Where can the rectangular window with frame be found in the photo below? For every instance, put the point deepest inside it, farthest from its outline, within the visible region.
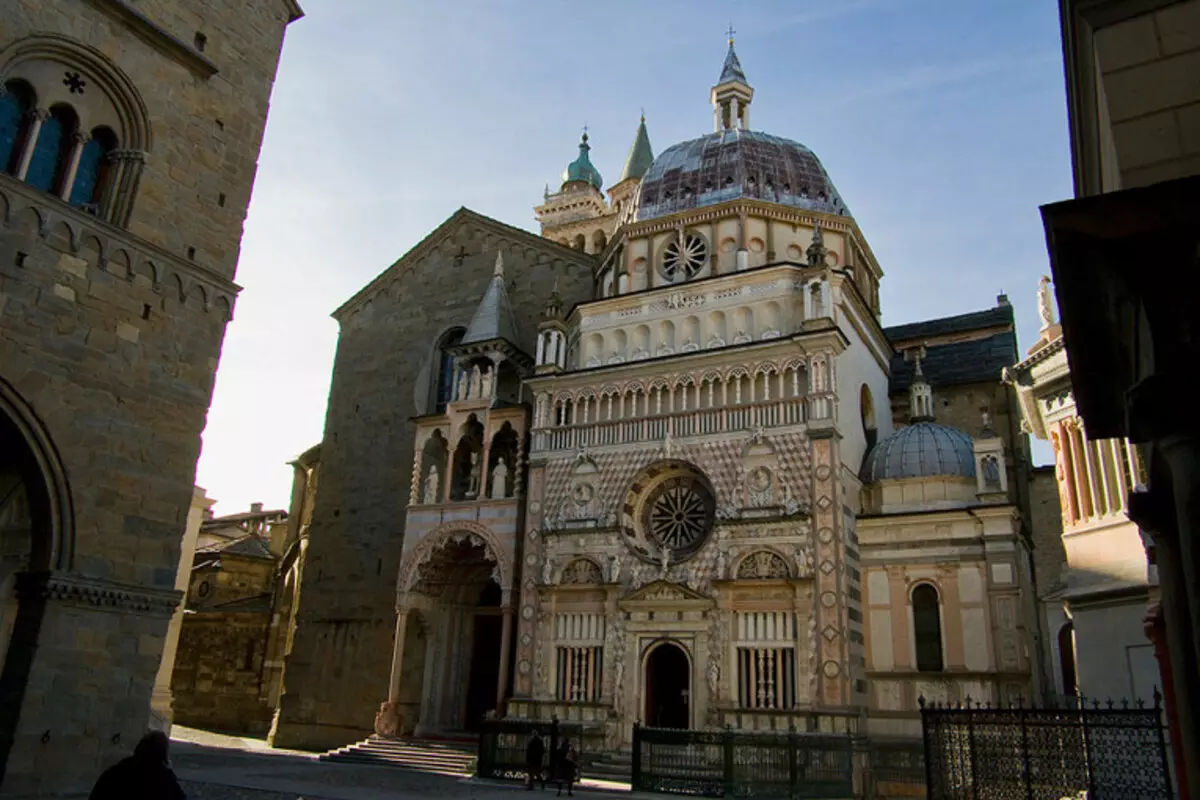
(767, 678)
(579, 674)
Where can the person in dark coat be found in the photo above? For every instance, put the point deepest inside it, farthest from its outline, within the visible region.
(566, 762)
(145, 775)
(535, 754)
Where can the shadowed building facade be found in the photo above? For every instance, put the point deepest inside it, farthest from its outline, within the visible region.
(129, 139)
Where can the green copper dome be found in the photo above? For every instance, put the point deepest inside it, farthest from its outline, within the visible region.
(581, 169)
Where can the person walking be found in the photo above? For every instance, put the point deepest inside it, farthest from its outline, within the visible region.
(145, 775)
(567, 762)
(535, 753)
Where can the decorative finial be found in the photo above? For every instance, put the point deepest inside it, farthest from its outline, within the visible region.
(730, 34)
(498, 272)
(643, 116)
(816, 251)
(585, 136)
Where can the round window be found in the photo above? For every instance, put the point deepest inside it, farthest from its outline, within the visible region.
(684, 258)
(678, 514)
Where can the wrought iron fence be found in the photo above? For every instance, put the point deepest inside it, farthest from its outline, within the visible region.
(502, 745)
(1101, 752)
(729, 763)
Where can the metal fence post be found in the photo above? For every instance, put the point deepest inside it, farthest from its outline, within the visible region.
(926, 713)
(793, 766)
(727, 757)
(1087, 748)
(971, 748)
(635, 772)
(1027, 772)
(552, 761)
(1162, 745)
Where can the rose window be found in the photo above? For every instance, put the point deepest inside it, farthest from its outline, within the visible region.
(683, 258)
(678, 514)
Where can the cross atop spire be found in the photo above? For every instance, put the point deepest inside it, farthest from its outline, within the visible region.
(730, 33)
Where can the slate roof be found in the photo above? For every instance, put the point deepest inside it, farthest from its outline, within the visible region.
(962, 323)
(731, 70)
(640, 155)
(494, 316)
(253, 546)
(975, 361)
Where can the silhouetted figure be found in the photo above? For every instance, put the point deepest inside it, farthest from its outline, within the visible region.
(145, 775)
(535, 753)
(566, 762)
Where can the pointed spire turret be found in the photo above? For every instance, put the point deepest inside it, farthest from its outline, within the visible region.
(640, 155)
(920, 393)
(732, 95)
(494, 317)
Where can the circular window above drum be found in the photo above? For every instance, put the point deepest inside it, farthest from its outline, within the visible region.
(669, 512)
(683, 258)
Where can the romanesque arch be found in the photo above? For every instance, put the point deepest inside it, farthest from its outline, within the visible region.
(447, 533)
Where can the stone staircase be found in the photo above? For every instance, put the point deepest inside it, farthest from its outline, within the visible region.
(613, 765)
(453, 758)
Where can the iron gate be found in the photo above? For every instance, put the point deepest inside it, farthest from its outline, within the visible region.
(1109, 752)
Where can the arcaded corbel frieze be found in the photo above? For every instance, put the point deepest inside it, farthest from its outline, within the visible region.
(98, 593)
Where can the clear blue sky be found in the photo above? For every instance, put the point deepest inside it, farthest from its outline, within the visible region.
(941, 122)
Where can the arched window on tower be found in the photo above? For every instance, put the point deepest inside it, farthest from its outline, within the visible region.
(927, 628)
(92, 173)
(16, 105)
(444, 379)
(52, 153)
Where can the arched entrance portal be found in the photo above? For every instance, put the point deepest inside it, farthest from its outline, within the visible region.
(35, 534)
(452, 676)
(668, 687)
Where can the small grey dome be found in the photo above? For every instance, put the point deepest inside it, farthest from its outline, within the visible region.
(921, 450)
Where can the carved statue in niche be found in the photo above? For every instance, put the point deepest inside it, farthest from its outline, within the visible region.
(714, 679)
(499, 481)
(431, 486)
(790, 504)
(473, 488)
(664, 560)
(804, 562)
(741, 337)
(715, 341)
(486, 381)
(547, 572)
(614, 570)
(689, 346)
(640, 354)
(462, 383)
(722, 566)
(474, 390)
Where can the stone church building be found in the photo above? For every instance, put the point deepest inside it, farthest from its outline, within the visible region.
(129, 140)
(662, 464)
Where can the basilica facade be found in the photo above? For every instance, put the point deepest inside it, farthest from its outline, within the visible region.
(666, 467)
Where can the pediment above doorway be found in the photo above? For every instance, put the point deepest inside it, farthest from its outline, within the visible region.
(665, 594)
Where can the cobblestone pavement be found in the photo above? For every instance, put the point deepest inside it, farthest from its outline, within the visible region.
(233, 769)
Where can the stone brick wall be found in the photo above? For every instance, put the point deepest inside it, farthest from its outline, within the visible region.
(1049, 556)
(111, 338)
(217, 680)
(337, 672)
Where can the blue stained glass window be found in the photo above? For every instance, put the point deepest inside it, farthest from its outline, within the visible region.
(445, 385)
(87, 173)
(44, 165)
(11, 117)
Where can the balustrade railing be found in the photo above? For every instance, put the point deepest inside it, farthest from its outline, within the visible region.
(683, 424)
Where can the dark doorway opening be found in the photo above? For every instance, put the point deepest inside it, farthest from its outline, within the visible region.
(668, 687)
(485, 657)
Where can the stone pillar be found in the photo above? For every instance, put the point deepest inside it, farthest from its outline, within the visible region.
(78, 140)
(161, 711)
(733, 113)
(389, 721)
(505, 654)
(37, 116)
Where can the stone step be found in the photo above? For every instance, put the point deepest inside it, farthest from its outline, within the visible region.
(439, 757)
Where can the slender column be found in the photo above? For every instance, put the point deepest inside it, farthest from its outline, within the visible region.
(397, 655)
(1123, 483)
(770, 234)
(808, 306)
(78, 140)
(1075, 436)
(38, 116)
(1070, 503)
(505, 656)
(733, 113)
(541, 348)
